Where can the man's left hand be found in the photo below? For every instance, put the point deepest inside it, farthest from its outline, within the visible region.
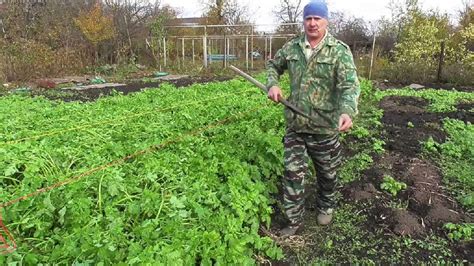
(345, 123)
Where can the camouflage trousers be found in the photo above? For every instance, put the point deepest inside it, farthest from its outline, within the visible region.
(325, 152)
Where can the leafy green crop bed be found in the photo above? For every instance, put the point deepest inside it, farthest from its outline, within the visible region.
(188, 176)
(196, 191)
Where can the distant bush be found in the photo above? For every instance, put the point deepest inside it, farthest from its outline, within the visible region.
(363, 66)
(458, 73)
(3, 77)
(71, 60)
(415, 71)
(416, 56)
(28, 59)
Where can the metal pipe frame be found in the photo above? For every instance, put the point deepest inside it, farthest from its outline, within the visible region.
(205, 38)
(219, 37)
(238, 25)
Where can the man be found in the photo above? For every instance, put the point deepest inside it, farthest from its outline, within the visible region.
(324, 85)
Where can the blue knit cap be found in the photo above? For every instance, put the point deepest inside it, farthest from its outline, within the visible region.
(316, 8)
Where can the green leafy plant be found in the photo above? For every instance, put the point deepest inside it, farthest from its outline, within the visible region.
(467, 200)
(367, 129)
(360, 132)
(458, 232)
(398, 204)
(455, 158)
(430, 145)
(378, 146)
(351, 170)
(391, 185)
(410, 124)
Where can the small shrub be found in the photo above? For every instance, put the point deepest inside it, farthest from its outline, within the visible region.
(23, 60)
(378, 67)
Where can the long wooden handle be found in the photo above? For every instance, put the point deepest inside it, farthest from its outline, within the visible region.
(282, 101)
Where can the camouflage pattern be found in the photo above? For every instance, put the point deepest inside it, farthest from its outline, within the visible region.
(325, 152)
(326, 82)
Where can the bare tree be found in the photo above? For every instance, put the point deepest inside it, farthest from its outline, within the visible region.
(131, 18)
(466, 14)
(401, 11)
(226, 12)
(289, 11)
(337, 22)
(387, 33)
(235, 14)
(351, 30)
(158, 31)
(41, 38)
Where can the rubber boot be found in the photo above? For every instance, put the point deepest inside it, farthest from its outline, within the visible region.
(324, 219)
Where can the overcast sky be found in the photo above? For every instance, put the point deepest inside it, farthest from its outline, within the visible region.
(261, 10)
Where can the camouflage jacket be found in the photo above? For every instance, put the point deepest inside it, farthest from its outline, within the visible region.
(325, 85)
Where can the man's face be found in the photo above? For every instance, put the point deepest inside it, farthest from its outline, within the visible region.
(315, 26)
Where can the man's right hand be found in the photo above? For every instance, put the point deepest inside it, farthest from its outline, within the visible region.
(275, 94)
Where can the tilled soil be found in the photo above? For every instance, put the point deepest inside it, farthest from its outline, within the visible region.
(399, 112)
(425, 206)
(436, 86)
(93, 94)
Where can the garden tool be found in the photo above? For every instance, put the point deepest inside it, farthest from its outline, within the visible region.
(282, 101)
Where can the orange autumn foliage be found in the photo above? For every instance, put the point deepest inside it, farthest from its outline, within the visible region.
(95, 26)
